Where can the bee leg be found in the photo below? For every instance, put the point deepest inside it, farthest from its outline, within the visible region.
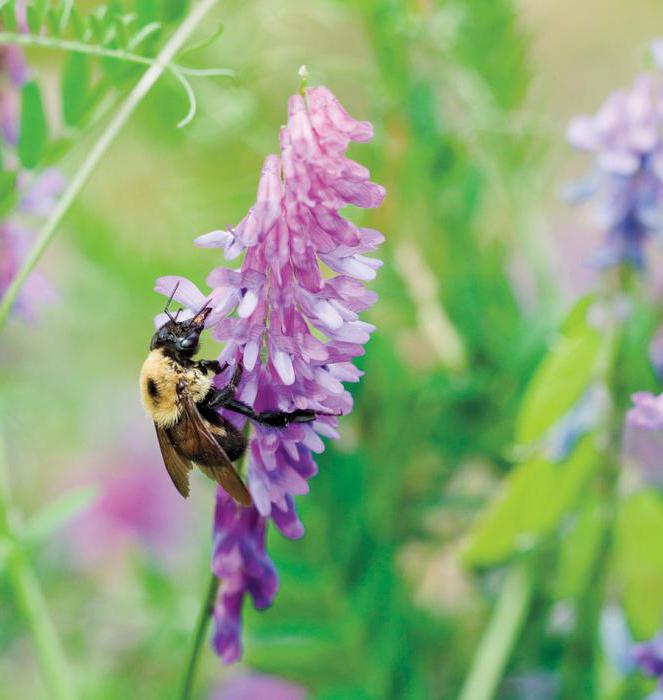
(275, 419)
(219, 397)
(213, 366)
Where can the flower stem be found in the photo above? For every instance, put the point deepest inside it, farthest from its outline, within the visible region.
(204, 618)
(30, 598)
(499, 638)
(98, 150)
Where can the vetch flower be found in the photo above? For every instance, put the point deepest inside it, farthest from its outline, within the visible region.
(627, 179)
(294, 329)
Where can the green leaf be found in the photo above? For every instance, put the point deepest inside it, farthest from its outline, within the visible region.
(579, 549)
(561, 379)
(54, 515)
(33, 131)
(75, 88)
(77, 23)
(531, 501)
(35, 12)
(53, 17)
(7, 191)
(5, 551)
(9, 16)
(639, 560)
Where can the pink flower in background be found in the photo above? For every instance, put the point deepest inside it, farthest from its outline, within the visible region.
(295, 331)
(135, 508)
(36, 195)
(257, 686)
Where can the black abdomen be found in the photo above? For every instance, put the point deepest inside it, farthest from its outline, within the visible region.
(231, 440)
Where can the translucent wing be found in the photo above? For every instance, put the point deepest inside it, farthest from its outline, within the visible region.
(178, 468)
(211, 457)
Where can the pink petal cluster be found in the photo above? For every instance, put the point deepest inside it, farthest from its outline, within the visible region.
(36, 195)
(295, 330)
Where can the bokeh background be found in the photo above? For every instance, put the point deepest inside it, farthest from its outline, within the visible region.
(470, 101)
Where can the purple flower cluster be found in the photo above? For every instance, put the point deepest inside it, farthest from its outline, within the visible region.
(36, 195)
(649, 657)
(627, 180)
(295, 331)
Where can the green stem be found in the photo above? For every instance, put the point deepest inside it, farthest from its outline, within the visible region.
(501, 634)
(207, 608)
(76, 184)
(204, 618)
(31, 599)
(48, 42)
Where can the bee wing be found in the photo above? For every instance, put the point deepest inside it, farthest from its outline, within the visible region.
(217, 464)
(178, 468)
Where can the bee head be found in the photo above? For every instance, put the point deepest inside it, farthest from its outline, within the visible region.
(180, 338)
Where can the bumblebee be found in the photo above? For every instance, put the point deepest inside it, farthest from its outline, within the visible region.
(179, 394)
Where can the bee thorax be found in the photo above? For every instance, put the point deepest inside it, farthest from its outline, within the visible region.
(159, 378)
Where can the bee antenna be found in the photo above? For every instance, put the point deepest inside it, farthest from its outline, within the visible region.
(204, 306)
(168, 303)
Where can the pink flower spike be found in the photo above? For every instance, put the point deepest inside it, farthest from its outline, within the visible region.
(295, 330)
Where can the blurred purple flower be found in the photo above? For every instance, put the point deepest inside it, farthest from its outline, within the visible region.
(134, 508)
(295, 332)
(649, 657)
(647, 413)
(643, 437)
(627, 179)
(255, 686)
(36, 196)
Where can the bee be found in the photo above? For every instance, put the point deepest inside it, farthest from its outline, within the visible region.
(179, 394)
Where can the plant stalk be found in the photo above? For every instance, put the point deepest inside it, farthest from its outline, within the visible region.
(501, 634)
(204, 618)
(76, 184)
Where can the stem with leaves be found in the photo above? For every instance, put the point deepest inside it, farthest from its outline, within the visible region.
(98, 150)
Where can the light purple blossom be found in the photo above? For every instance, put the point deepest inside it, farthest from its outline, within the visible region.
(295, 330)
(647, 413)
(254, 686)
(627, 179)
(36, 195)
(643, 437)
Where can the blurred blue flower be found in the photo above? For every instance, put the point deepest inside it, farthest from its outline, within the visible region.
(582, 419)
(294, 330)
(649, 657)
(627, 180)
(616, 639)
